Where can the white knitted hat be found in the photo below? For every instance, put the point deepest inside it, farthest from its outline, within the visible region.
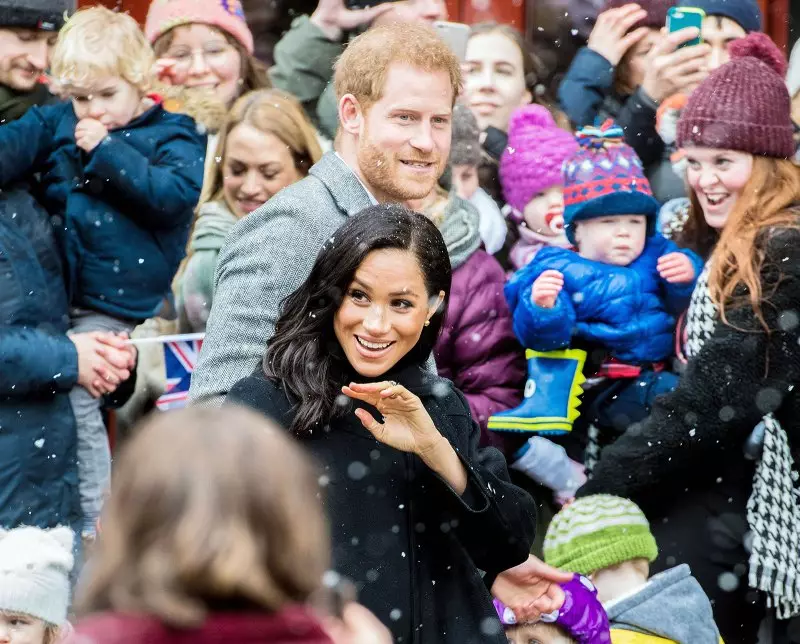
(34, 572)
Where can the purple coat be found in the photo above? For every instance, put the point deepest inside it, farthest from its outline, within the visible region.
(477, 349)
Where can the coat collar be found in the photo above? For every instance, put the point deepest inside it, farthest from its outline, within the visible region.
(340, 180)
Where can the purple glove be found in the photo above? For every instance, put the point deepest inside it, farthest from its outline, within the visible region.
(582, 615)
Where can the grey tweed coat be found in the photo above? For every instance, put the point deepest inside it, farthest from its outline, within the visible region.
(265, 258)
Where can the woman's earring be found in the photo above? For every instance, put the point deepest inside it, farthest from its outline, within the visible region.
(427, 322)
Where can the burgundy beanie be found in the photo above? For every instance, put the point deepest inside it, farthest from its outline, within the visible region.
(744, 105)
(534, 157)
(656, 11)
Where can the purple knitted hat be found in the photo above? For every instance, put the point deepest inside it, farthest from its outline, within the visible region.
(744, 105)
(533, 159)
(582, 615)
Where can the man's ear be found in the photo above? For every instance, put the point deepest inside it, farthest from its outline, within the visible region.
(350, 114)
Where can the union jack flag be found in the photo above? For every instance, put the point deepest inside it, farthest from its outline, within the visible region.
(180, 357)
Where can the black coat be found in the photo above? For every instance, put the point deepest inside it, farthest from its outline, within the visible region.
(411, 544)
(696, 434)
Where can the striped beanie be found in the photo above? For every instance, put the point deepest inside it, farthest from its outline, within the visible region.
(597, 532)
(605, 178)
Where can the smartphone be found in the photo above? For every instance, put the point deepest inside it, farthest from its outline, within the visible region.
(454, 34)
(682, 17)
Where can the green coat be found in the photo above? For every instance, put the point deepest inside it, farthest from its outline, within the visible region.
(195, 288)
(304, 60)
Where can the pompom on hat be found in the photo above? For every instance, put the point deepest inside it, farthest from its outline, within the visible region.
(597, 532)
(743, 105)
(35, 565)
(465, 148)
(534, 156)
(227, 15)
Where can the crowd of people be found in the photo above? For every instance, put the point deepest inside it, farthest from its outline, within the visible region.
(479, 363)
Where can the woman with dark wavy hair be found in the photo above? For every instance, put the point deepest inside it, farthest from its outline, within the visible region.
(416, 509)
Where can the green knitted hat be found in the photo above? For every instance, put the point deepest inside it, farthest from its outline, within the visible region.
(597, 532)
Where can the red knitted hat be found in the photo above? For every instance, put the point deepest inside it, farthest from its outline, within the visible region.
(656, 11)
(744, 105)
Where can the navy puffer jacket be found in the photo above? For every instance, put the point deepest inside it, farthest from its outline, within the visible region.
(38, 367)
(126, 207)
(629, 310)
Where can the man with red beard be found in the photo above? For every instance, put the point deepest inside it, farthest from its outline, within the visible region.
(28, 31)
(396, 87)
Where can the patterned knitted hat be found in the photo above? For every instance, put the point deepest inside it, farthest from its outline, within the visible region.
(605, 177)
(656, 11)
(47, 15)
(227, 15)
(534, 157)
(34, 572)
(597, 532)
(746, 13)
(465, 148)
(744, 105)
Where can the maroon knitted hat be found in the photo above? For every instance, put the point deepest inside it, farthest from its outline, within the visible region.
(744, 105)
(656, 11)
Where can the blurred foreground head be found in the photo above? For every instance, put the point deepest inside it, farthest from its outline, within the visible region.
(210, 510)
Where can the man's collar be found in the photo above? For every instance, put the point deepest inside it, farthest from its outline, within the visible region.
(372, 198)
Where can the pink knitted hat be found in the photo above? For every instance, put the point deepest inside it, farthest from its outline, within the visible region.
(534, 156)
(227, 15)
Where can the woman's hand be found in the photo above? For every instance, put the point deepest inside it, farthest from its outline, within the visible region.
(531, 589)
(671, 69)
(408, 427)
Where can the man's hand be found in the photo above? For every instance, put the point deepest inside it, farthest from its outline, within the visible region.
(531, 589)
(670, 70)
(88, 134)
(676, 268)
(610, 37)
(333, 18)
(546, 288)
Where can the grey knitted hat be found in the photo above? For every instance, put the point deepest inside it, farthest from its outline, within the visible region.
(465, 148)
(34, 572)
(47, 15)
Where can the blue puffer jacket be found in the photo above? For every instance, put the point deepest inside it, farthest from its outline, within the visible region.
(38, 367)
(127, 206)
(630, 310)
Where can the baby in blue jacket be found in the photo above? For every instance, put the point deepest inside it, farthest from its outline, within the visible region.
(616, 298)
(120, 178)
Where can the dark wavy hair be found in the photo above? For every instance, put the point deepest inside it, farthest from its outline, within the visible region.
(304, 355)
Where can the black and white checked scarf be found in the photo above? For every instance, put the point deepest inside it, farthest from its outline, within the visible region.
(773, 510)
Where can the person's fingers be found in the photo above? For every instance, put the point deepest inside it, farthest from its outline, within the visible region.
(627, 20)
(371, 387)
(116, 359)
(697, 55)
(113, 340)
(552, 273)
(357, 395)
(369, 423)
(687, 83)
(632, 38)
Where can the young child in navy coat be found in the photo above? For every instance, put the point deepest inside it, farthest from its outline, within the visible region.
(121, 177)
(615, 299)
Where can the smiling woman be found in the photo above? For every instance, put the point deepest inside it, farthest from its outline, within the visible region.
(345, 372)
(266, 144)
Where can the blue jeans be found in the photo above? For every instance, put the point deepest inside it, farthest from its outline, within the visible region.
(94, 453)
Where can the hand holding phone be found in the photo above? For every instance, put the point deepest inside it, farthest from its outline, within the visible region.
(684, 17)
